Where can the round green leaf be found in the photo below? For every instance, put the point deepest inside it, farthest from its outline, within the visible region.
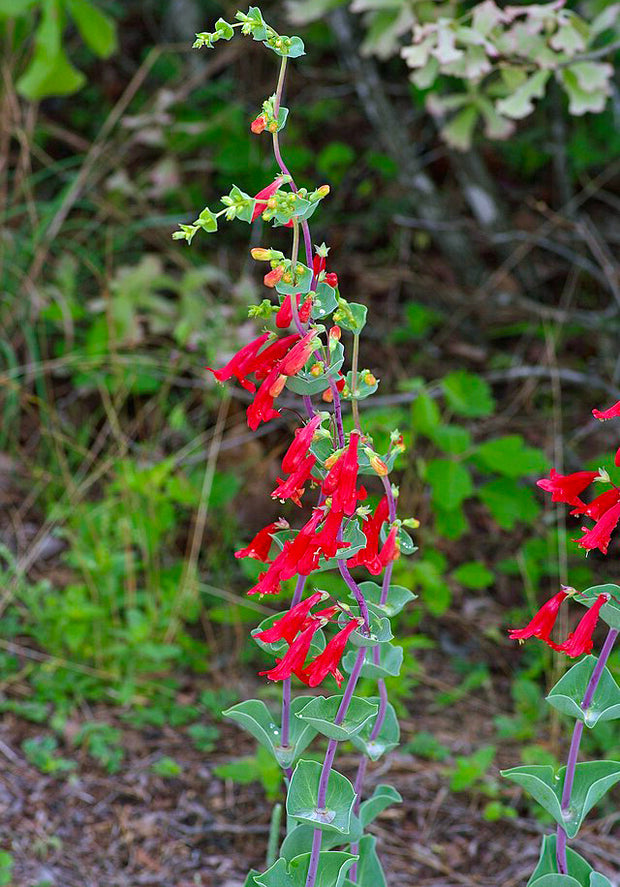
(610, 612)
(390, 661)
(397, 597)
(302, 283)
(254, 717)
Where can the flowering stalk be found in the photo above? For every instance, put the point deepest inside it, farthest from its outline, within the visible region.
(313, 638)
(587, 691)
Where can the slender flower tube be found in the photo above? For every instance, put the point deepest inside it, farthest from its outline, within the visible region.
(296, 619)
(284, 317)
(600, 534)
(300, 446)
(567, 487)
(612, 413)
(542, 624)
(260, 545)
(580, 640)
(598, 506)
(327, 662)
(293, 660)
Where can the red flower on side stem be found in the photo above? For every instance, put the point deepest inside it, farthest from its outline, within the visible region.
(542, 624)
(611, 413)
(371, 527)
(580, 640)
(391, 548)
(263, 196)
(297, 618)
(260, 545)
(341, 479)
(261, 409)
(597, 507)
(327, 662)
(600, 534)
(298, 450)
(293, 487)
(293, 660)
(242, 364)
(567, 487)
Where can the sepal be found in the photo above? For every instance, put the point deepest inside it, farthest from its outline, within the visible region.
(567, 694)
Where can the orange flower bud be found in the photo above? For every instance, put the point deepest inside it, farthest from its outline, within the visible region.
(260, 254)
(316, 369)
(323, 191)
(327, 395)
(335, 333)
(369, 379)
(258, 125)
(379, 466)
(274, 276)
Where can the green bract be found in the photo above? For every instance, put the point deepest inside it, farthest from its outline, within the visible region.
(610, 612)
(390, 661)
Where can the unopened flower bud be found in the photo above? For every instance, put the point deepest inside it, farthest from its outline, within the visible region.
(369, 379)
(335, 333)
(327, 395)
(317, 369)
(273, 126)
(322, 191)
(274, 276)
(412, 522)
(277, 386)
(258, 125)
(377, 464)
(261, 254)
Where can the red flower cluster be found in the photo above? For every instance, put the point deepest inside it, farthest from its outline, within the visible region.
(301, 555)
(341, 480)
(318, 267)
(297, 628)
(578, 641)
(273, 365)
(604, 509)
(298, 463)
(284, 317)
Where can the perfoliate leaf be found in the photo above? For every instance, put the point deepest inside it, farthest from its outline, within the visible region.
(299, 841)
(325, 301)
(387, 738)
(224, 30)
(333, 867)
(302, 798)
(556, 880)
(302, 283)
(351, 316)
(567, 694)
(380, 631)
(369, 869)
(397, 597)
(610, 612)
(254, 716)
(592, 780)
(306, 383)
(207, 221)
(382, 798)
(578, 868)
(320, 713)
(390, 662)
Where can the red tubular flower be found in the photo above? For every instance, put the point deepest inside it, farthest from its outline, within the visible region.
(300, 555)
(294, 487)
(297, 618)
(268, 357)
(295, 656)
(258, 124)
(611, 413)
(327, 539)
(391, 548)
(298, 356)
(371, 527)
(242, 364)
(284, 317)
(263, 196)
(600, 534)
(298, 450)
(542, 624)
(328, 395)
(270, 581)
(318, 264)
(597, 507)
(566, 487)
(340, 482)
(580, 640)
(327, 661)
(261, 409)
(260, 545)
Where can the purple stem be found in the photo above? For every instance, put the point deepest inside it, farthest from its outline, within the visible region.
(571, 763)
(286, 685)
(327, 764)
(359, 597)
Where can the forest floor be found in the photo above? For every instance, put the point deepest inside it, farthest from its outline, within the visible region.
(92, 829)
